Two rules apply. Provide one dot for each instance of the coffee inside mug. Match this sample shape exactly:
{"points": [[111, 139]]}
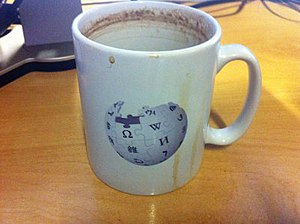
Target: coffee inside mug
{"points": [[150, 29]]}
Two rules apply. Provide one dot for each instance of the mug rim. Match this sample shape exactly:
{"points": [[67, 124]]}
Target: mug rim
{"points": [[77, 33]]}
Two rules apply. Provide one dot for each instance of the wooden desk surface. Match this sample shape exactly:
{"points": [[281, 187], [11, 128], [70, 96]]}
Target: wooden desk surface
{"points": [[45, 175]]}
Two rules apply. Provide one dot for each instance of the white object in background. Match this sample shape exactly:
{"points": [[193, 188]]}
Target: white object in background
{"points": [[48, 22], [14, 54]]}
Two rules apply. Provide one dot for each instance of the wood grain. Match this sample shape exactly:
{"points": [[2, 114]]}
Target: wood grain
{"points": [[45, 176]]}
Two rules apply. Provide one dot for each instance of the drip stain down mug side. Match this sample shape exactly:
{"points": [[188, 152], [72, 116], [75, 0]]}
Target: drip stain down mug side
{"points": [[146, 73]]}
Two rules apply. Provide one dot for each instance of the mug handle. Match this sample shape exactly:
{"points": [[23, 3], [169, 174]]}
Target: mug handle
{"points": [[228, 135]]}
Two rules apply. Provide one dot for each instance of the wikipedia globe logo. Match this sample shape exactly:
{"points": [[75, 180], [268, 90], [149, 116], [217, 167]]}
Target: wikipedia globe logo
{"points": [[148, 138]]}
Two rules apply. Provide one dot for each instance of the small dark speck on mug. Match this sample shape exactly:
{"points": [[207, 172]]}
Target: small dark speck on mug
{"points": [[111, 60]]}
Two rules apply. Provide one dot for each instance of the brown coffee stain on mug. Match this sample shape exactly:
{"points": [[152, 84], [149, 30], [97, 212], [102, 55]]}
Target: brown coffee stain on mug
{"points": [[184, 103], [175, 170], [155, 56], [111, 60], [185, 92], [195, 146], [189, 24]]}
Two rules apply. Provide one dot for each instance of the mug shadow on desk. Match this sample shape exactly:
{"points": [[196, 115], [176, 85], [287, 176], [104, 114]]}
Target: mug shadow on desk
{"points": [[216, 119]]}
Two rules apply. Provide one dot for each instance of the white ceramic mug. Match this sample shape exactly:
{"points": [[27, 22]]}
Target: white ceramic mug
{"points": [[146, 72]]}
